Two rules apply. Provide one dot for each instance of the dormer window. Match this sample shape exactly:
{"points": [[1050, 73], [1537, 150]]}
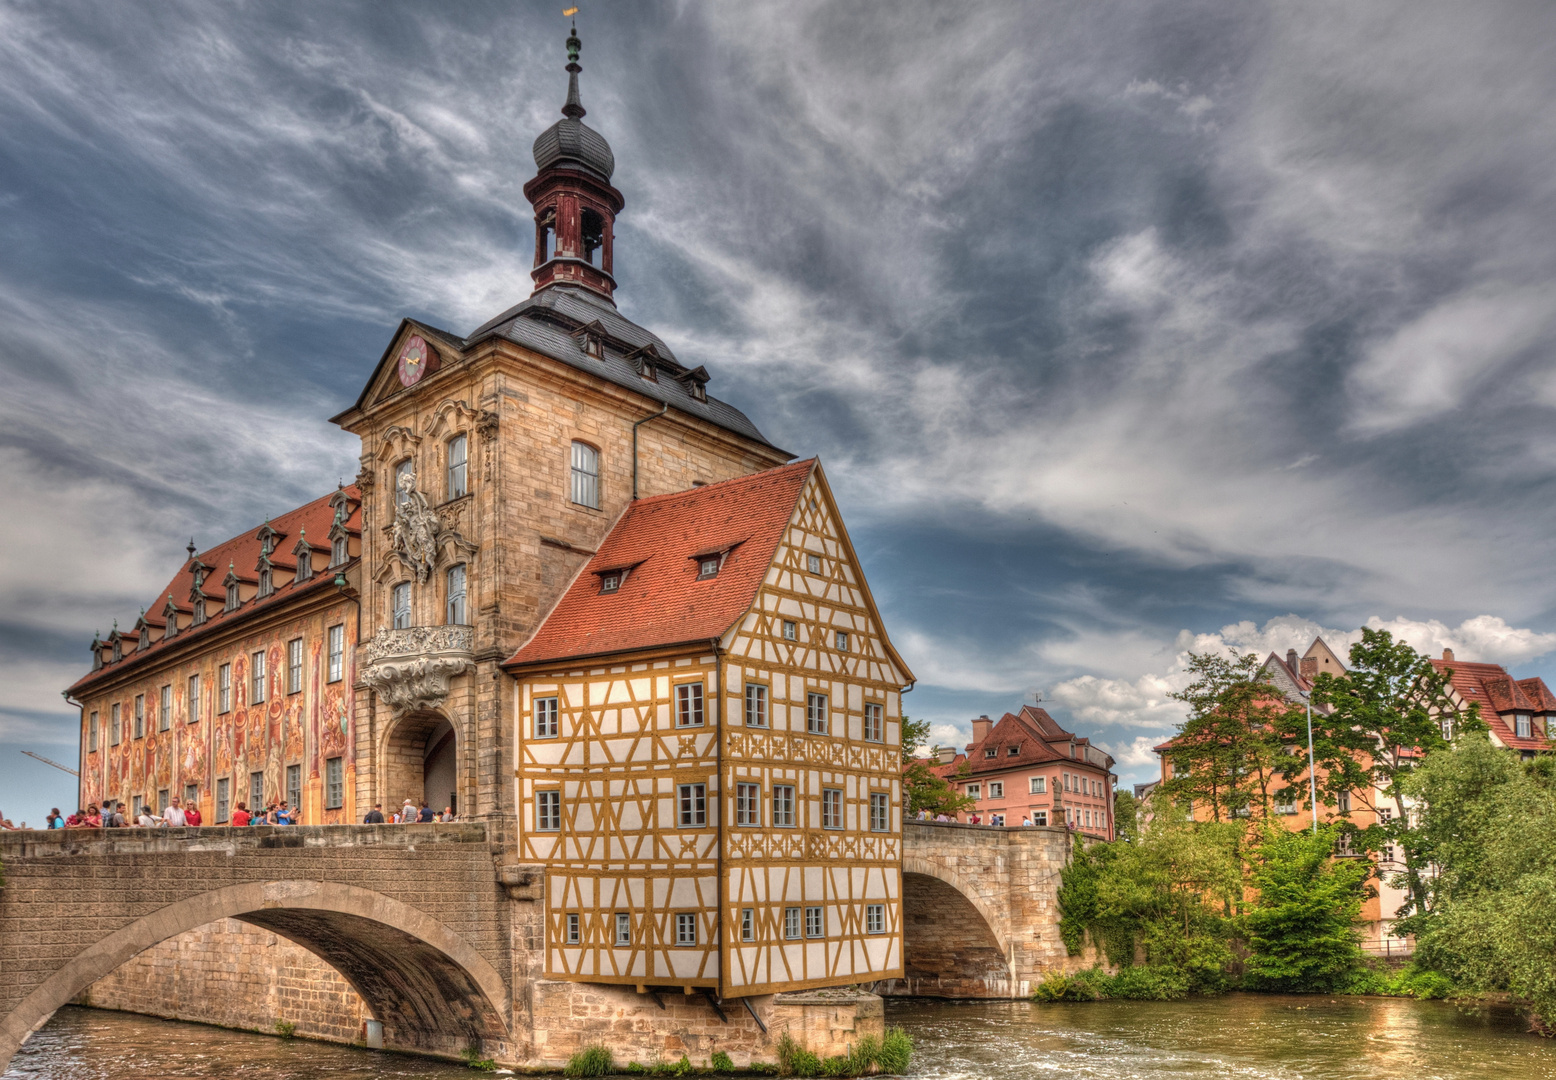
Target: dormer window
{"points": [[1522, 727], [144, 642], [199, 611], [610, 582], [990, 752], [232, 596], [707, 567], [118, 649], [170, 629], [338, 551], [1013, 751], [266, 582], [304, 554]]}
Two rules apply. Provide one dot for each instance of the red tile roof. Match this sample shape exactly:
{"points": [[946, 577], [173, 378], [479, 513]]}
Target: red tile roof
{"points": [[242, 552], [1501, 698], [662, 602], [1032, 732]]}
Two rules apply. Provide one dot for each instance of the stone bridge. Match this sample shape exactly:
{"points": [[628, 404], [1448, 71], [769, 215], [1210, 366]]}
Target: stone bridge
{"points": [[437, 938]]}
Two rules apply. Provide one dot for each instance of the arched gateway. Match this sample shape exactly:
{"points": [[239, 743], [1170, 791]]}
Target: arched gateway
{"points": [[409, 916]]}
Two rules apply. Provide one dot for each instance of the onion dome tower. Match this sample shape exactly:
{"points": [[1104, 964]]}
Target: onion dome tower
{"points": [[575, 205]]}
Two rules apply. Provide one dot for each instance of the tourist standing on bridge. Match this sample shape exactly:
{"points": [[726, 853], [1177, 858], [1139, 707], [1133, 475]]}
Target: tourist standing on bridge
{"points": [[174, 815], [375, 816], [240, 814], [407, 812], [192, 815], [426, 815], [448, 814]]}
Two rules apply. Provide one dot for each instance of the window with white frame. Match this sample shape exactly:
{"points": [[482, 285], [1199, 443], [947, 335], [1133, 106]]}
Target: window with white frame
{"points": [[257, 677], [875, 918], [113, 726], [688, 705], [1522, 727], [1345, 802], [140, 716], [815, 921], [224, 688], [708, 567], [340, 551], [1038, 785], [874, 730], [880, 811], [756, 705], [842, 641], [294, 666], [256, 791], [223, 800], [458, 452], [748, 804], [337, 641], [456, 595], [91, 743], [191, 795], [548, 811], [546, 717], [816, 714], [813, 563], [572, 928], [974, 791], [1040, 817], [790, 632], [831, 808], [586, 475], [400, 605], [294, 790], [623, 929], [747, 924], [232, 597], [793, 924], [685, 928], [693, 804], [165, 708], [783, 805], [996, 789]]}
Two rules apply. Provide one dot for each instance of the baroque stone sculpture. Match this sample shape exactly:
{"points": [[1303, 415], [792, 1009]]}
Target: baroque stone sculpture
{"points": [[414, 534]]}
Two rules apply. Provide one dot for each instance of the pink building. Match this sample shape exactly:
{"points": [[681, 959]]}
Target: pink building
{"points": [[1026, 767]]}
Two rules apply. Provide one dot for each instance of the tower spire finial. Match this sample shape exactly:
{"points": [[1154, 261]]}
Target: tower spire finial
{"points": [[573, 109]]}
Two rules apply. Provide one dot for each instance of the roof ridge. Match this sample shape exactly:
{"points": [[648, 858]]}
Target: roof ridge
{"points": [[701, 488]]}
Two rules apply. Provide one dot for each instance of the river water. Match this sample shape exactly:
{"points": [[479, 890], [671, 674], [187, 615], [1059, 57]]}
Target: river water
{"points": [[1245, 1037]]}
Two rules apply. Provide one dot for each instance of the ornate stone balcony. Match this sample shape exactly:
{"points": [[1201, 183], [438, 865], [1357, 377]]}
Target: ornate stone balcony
{"points": [[410, 669]]}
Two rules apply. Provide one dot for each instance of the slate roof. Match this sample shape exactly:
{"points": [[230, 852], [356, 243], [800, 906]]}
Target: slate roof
{"points": [[1500, 698], [242, 554], [662, 602]]}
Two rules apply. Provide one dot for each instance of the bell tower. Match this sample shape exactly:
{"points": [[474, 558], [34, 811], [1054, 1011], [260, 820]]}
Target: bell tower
{"points": [[575, 205]]}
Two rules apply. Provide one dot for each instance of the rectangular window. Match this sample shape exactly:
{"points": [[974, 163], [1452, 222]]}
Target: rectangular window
{"points": [[456, 595], [586, 475], [572, 928], [748, 804], [256, 792], [793, 928], [1345, 802], [747, 924], [996, 789], [113, 729], [545, 718], [340, 551], [875, 918], [223, 800], [548, 811], [842, 641], [1040, 817], [623, 928], [1285, 808], [974, 791], [693, 805], [815, 921], [813, 563], [688, 705], [294, 788], [756, 705], [874, 730], [816, 714], [685, 928], [831, 808], [1522, 722], [191, 796], [257, 678], [162, 802], [194, 699], [294, 666], [337, 637], [1067, 785], [165, 708], [790, 633], [458, 455], [1038, 784], [400, 605], [91, 734], [140, 715], [783, 805], [880, 811]]}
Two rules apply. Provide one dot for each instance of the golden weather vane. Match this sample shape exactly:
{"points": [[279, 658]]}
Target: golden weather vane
{"points": [[569, 12]]}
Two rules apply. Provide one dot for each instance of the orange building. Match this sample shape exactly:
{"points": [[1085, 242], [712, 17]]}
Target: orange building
{"points": [[1026, 768], [236, 684]]}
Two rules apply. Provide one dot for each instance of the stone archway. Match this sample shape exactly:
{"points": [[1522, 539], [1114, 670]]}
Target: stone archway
{"points": [[952, 945], [431, 990], [419, 759]]}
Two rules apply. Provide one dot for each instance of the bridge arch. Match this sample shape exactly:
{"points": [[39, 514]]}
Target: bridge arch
{"points": [[429, 987], [955, 944]]}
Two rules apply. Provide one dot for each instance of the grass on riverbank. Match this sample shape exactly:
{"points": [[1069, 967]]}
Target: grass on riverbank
{"points": [[1144, 983]]}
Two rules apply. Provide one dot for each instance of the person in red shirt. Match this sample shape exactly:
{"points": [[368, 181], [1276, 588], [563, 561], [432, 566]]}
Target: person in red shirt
{"points": [[240, 814], [192, 815]]}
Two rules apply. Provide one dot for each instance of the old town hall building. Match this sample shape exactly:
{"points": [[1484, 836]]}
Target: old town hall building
{"points": [[574, 596]]}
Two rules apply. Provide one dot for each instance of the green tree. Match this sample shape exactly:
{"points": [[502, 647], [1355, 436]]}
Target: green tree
{"points": [[1384, 715], [922, 788], [1302, 930], [1126, 815], [1228, 754]]}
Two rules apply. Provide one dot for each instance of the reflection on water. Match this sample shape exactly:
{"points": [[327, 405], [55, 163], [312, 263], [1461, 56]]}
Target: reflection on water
{"points": [[91, 1044], [1243, 1036], [1251, 1037]]}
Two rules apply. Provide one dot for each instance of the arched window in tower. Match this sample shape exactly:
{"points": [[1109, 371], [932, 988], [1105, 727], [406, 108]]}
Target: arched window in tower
{"points": [[586, 475], [592, 235], [545, 234]]}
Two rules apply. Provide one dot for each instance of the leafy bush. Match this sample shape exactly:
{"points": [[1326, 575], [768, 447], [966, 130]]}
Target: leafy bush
{"points": [[473, 1058], [286, 1029], [720, 1062], [896, 1052], [842, 1065], [1302, 931], [1130, 984], [635, 1068], [595, 1060]]}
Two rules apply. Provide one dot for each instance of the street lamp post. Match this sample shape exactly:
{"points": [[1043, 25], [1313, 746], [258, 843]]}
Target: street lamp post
{"points": [[1312, 773]]}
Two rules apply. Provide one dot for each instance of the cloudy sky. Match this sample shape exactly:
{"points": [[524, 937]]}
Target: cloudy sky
{"points": [[1122, 329]]}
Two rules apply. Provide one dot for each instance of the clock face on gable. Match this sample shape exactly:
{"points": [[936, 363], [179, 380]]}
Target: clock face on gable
{"points": [[413, 361]]}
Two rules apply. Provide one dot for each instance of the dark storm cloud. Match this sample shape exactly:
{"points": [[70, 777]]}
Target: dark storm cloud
{"points": [[1108, 320]]}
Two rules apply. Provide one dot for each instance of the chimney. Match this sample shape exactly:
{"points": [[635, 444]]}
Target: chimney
{"points": [[1309, 669], [981, 728], [1291, 659], [1448, 655], [945, 754]]}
